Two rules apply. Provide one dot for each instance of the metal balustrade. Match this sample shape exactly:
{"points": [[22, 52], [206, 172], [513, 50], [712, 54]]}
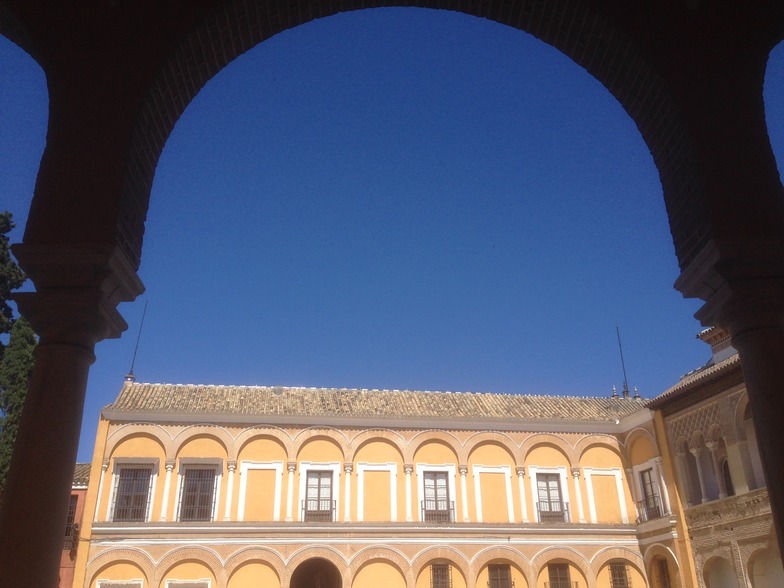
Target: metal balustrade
{"points": [[551, 511], [438, 511], [649, 509], [318, 510]]}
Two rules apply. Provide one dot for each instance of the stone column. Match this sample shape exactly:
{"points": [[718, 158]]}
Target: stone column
{"points": [[683, 476], [408, 469], [578, 494], [292, 467], [665, 495], [463, 469], [713, 448], [521, 485], [104, 468], [73, 308], [696, 452], [232, 467], [166, 490], [347, 467]]}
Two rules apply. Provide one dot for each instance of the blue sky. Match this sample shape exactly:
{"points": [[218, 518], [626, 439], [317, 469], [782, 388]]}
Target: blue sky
{"points": [[394, 198]]}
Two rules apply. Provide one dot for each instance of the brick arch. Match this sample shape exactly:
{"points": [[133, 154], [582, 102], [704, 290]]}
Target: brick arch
{"points": [[578, 30], [495, 438], [204, 555], [573, 556], [311, 433], [254, 553], [307, 552], [385, 553], [697, 440], [260, 431], [557, 441], [604, 556], [608, 441], [152, 431], [715, 433], [418, 440], [485, 556], [220, 434], [369, 435], [137, 557], [634, 435], [441, 552]]}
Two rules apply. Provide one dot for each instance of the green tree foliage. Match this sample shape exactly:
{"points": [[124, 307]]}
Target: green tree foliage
{"points": [[15, 370], [11, 276]]}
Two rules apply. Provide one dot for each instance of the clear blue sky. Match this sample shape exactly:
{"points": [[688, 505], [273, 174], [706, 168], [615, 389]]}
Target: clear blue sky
{"points": [[394, 198]]}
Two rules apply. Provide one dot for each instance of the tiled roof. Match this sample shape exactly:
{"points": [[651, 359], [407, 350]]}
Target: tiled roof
{"points": [[695, 379], [81, 474], [254, 401]]}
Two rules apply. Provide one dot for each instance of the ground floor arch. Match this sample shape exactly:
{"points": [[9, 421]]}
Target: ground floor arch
{"points": [[316, 572]]}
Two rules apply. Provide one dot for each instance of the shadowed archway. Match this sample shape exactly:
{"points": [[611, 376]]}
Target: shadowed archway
{"points": [[316, 573]]}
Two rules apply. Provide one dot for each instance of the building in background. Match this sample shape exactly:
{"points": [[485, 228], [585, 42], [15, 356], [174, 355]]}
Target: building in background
{"points": [[73, 524]]}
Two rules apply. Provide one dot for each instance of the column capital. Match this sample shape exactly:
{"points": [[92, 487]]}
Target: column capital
{"points": [[169, 464], [348, 467], [231, 465], [105, 465], [695, 451], [408, 468], [520, 470], [463, 469], [712, 446], [575, 472], [291, 466]]}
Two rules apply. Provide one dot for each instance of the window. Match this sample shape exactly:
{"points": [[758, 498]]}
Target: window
{"points": [[662, 573], [197, 493], [619, 575], [650, 507], [436, 507], [318, 504], [500, 576], [558, 574], [550, 505], [71, 527], [132, 493], [440, 575], [725, 472]]}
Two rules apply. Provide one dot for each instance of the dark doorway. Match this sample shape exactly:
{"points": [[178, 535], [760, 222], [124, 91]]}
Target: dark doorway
{"points": [[316, 573]]}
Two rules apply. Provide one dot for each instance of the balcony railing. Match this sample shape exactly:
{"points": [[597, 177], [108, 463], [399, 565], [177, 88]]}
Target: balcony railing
{"points": [[318, 510], [438, 511], [649, 509], [561, 584], [553, 511]]}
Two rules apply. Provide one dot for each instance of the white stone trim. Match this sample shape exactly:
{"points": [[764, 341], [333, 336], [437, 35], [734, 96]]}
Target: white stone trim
{"points": [[200, 583], [334, 467], [617, 474], [245, 467], [449, 468], [476, 471], [363, 467], [564, 478]]}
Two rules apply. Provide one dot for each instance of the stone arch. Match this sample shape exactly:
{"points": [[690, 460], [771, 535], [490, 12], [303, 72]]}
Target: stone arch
{"points": [[132, 555], [697, 440], [442, 552], [418, 440], [219, 434], [638, 434], [254, 553], [607, 554], [494, 437], [659, 550], [556, 441], [607, 441], [579, 31], [307, 552], [370, 435], [487, 555], [773, 572], [151, 431], [333, 435], [718, 572], [386, 553], [715, 433], [269, 431], [541, 559], [207, 557]]}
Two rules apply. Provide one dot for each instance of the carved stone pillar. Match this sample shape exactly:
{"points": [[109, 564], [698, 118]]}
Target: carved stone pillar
{"points": [[347, 468], [696, 452], [683, 476], [73, 308], [521, 485], [408, 469], [464, 488], [713, 448], [292, 467], [102, 481], [232, 467], [578, 494], [167, 489]]}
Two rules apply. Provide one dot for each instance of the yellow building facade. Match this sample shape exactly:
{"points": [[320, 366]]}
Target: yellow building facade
{"points": [[245, 487]]}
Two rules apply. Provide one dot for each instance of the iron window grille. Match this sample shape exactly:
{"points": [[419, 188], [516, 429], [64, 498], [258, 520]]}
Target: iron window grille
{"points": [[662, 574], [318, 505], [437, 507], [132, 493], [619, 575], [440, 575], [197, 495], [559, 577], [499, 576], [71, 526]]}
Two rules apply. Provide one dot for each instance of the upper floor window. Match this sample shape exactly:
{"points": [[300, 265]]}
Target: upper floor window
{"points": [[71, 526], [437, 506], [500, 576], [650, 506], [198, 493], [319, 504], [440, 575], [558, 576], [132, 492], [619, 575], [550, 505]]}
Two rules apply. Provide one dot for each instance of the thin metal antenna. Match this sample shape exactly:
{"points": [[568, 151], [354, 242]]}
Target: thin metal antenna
{"points": [[130, 377], [623, 365]]}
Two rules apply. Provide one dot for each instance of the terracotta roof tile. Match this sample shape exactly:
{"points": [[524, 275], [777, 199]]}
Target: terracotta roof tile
{"points": [[257, 401], [81, 474]]}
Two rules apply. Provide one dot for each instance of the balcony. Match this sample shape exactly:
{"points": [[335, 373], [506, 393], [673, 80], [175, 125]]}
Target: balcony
{"points": [[318, 510], [553, 512], [438, 511], [649, 509]]}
